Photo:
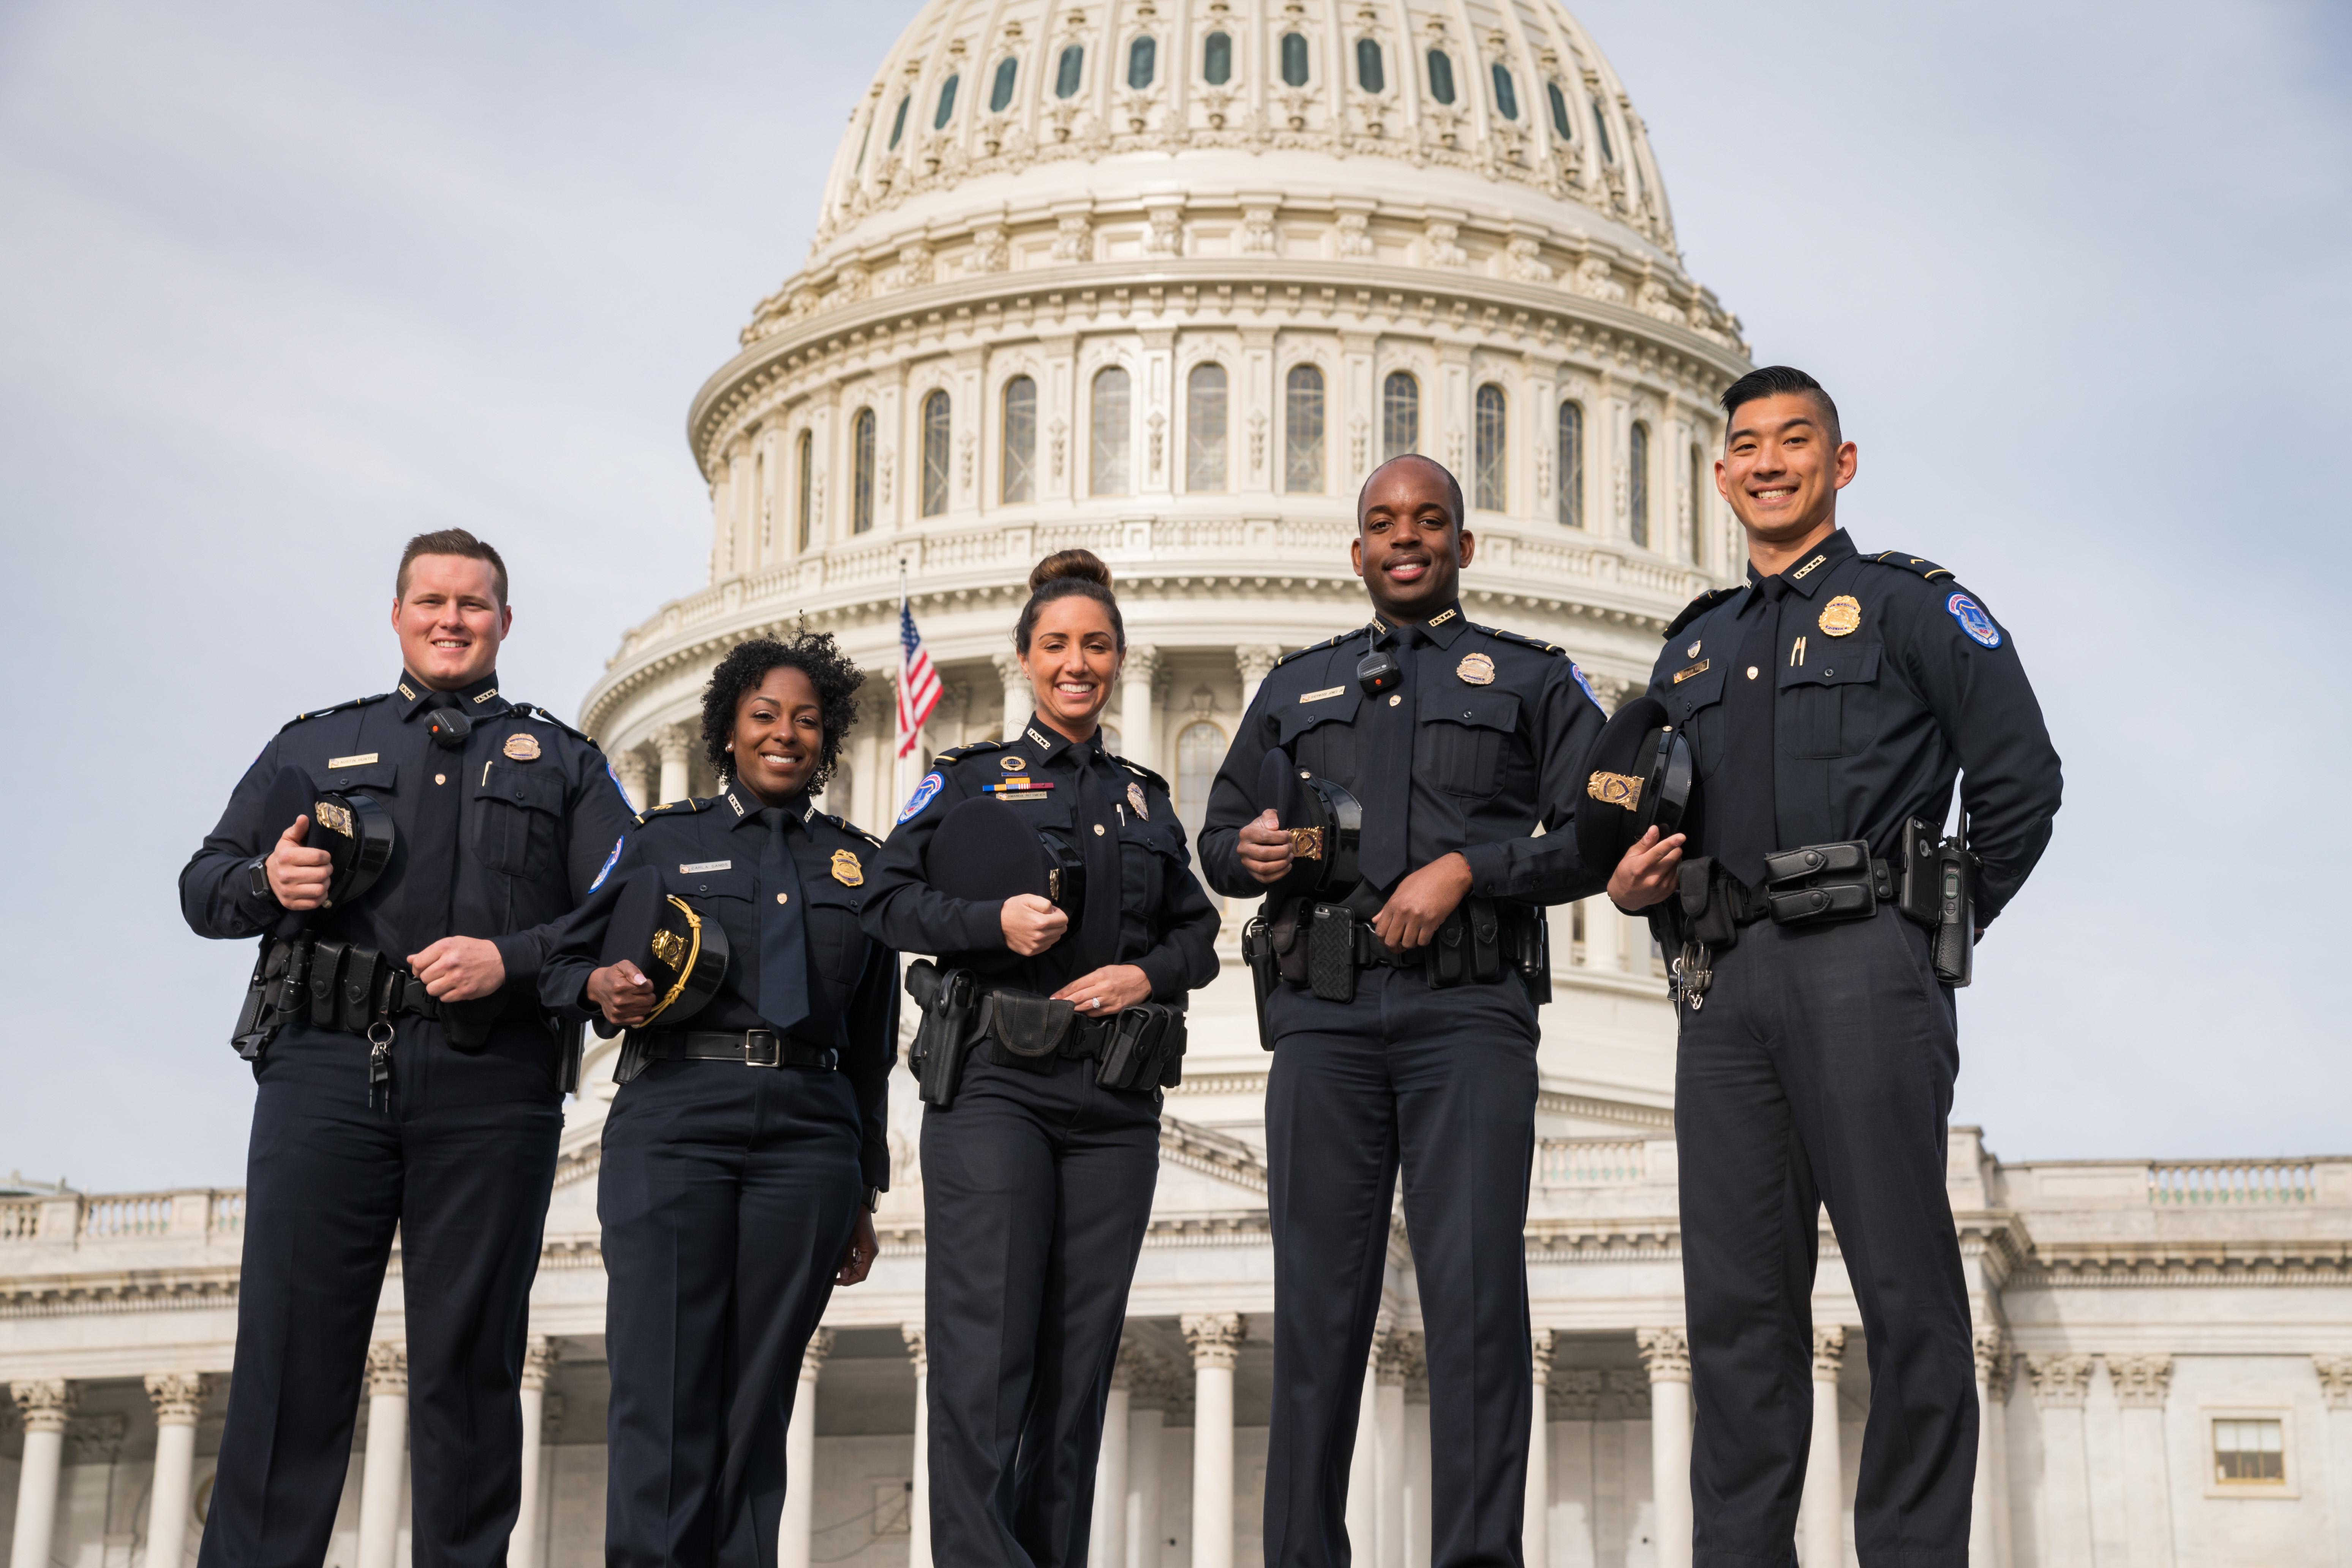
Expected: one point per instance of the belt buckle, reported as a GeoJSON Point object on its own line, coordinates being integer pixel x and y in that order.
{"type": "Point", "coordinates": [763, 1048]}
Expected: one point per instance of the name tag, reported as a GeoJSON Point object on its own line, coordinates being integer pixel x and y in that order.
{"type": "Point", "coordinates": [701, 866]}
{"type": "Point", "coordinates": [1701, 667]}
{"type": "Point", "coordinates": [1326, 691]}
{"type": "Point", "coordinates": [362, 760]}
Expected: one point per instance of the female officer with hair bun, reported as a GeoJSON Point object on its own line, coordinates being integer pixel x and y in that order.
{"type": "Point", "coordinates": [733, 1201]}
{"type": "Point", "coordinates": [1037, 1178]}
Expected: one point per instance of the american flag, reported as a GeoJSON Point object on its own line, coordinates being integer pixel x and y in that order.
{"type": "Point", "coordinates": [919, 683]}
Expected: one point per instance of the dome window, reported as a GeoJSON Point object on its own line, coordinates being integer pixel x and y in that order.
{"type": "Point", "coordinates": [937, 427]}
{"type": "Point", "coordinates": [1204, 429]}
{"type": "Point", "coordinates": [1370, 75]}
{"type": "Point", "coordinates": [1107, 418]}
{"type": "Point", "coordinates": [1399, 415]}
{"type": "Point", "coordinates": [1572, 465]}
{"type": "Point", "coordinates": [1600, 123]}
{"type": "Point", "coordinates": [1302, 435]}
{"type": "Point", "coordinates": [1068, 71]}
{"type": "Point", "coordinates": [1217, 58]}
{"type": "Point", "coordinates": [1441, 77]}
{"type": "Point", "coordinates": [999, 93]}
{"type": "Point", "coordinates": [1637, 461]}
{"type": "Point", "coordinates": [1491, 471]}
{"type": "Point", "coordinates": [899, 122]}
{"type": "Point", "coordinates": [1294, 59]}
{"type": "Point", "coordinates": [861, 472]}
{"type": "Point", "coordinates": [946, 109]}
{"type": "Point", "coordinates": [1558, 112]}
{"type": "Point", "coordinates": [1019, 457]}
{"type": "Point", "coordinates": [1142, 62]}
{"type": "Point", "coordinates": [1506, 95]}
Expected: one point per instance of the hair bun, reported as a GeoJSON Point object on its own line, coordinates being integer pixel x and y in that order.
{"type": "Point", "coordinates": [1084, 566]}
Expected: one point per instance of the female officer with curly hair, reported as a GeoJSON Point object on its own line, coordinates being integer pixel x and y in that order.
{"type": "Point", "coordinates": [733, 1201]}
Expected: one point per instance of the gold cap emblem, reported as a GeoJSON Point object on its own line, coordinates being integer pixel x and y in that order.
{"type": "Point", "coordinates": [1615, 789]}
{"type": "Point", "coordinates": [1476, 669]}
{"type": "Point", "coordinates": [847, 871]}
{"type": "Point", "coordinates": [1841, 615]}
{"type": "Point", "coordinates": [523, 748]}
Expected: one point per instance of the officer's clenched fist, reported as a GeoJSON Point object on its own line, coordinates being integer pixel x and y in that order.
{"type": "Point", "coordinates": [298, 875]}
{"type": "Point", "coordinates": [1031, 924]}
{"type": "Point", "coordinates": [1265, 848]}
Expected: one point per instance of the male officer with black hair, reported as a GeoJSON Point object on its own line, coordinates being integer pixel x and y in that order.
{"type": "Point", "coordinates": [1830, 702]}
{"type": "Point", "coordinates": [408, 1039]}
{"type": "Point", "coordinates": [1415, 1040]}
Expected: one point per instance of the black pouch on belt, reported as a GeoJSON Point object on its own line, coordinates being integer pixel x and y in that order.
{"type": "Point", "coordinates": [1819, 882]}
{"type": "Point", "coordinates": [1172, 1049]}
{"type": "Point", "coordinates": [1485, 928]}
{"type": "Point", "coordinates": [1288, 941]}
{"type": "Point", "coordinates": [326, 969]}
{"type": "Point", "coordinates": [361, 974]}
{"type": "Point", "coordinates": [467, 1023]}
{"type": "Point", "coordinates": [1028, 1031]}
{"type": "Point", "coordinates": [1446, 959]}
{"type": "Point", "coordinates": [1132, 1059]}
{"type": "Point", "coordinates": [1331, 953]}
{"type": "Point", "coordinates": [1704, 892]}
{"type": "Point", "coordinates": [1257, 952]}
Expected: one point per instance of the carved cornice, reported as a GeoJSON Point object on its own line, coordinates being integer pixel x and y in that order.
{"type": "Point", "coordinates": [1210, 1153]}
{"type": "Point", "coordinates": [2184, 1263]}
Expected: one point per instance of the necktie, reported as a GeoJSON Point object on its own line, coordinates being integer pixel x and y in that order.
{"type": "Point", "coordinates": [1384, 772]}
{"type": "Point", "coordinates": [784, 945]}
{"type": "Point", "coordinates": [431, 881]}
{"type": "Point", "coordinates": [1750, 827]}
{"type": "Point", "coordinates": [1098, 844]}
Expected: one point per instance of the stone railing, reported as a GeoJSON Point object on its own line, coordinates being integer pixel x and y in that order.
{"type": "Point", "coordinates": [2188, 1184]}
{"type": "Point", "coordinates": [195, 1214]}
{"type": "Point", "coordinates": [1591, 1162]}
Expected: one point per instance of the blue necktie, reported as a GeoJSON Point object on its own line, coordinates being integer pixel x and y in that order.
{"type": "Point", "coordinates": [783, 943]}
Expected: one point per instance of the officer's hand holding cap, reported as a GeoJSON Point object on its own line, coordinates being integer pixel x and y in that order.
{"type": "Point", "coordinates": [678, 947]}
{"type": "Point", "coordinates": [983, 849]}
{"type": "Point", "coordinates": [1639, 777]}
{"type": "Point", "coordinates": [1324, 821]}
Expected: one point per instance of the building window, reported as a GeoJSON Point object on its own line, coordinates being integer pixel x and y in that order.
{"type": "Point", "coordinates": [1441, 77]}
{"type": "Point", "coordinates": [2249, 1453]}
{"type": "Point", "coordinates": [999, 93]}
{"type": "Point", "coordinates": [1142, 59]}
{"type": "Point", "coordinates": [1294, 59]}
{"type": "Point", "coordinates": [1370, 74]}
{"type": "Point", "coordinates": [1506, 95]}
{"type": "Point", "coordinates": [1572, 465]}
{"type": "Point", "coordinates": [1217, 59]}
{"type": "Point", "coordinates": [1637, 458]}
{"type": "Point", "coordinates": [1109, 432]}
{"type": "Point", "coordinates": [804, 459]}
{"type": "Point", "coordinates": [1600, 123]}
{"type": "Point", "coordinates": [1205, 428]}
{"type": "Point", "coordinates": [1302, 410]}
{"type": "Point", "coordinates": [1400, 415]}
{"type": "Point", "coordinates": [947, 103]}
{"type": "Point", "coordinates": [861, 472]}
{"type": "Point", "coordinates": [1488, 471]}
{"type": "Point", "coordinates": [899, 121]}
{"type": "Point", "coordinates": [1019, 459]}
{"type": "Point", "coordinates": [1697, 505]}
{"type": "Point", "coordinates": [1559, 111]}
{"type": "Point", "coordinates": [1200, 751]}
{"type": "Point", "coordinates": [1066, 72]}
{"type": "Point", "coordinates": [936, 423]}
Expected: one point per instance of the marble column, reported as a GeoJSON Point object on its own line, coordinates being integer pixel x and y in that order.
{"type": "Point", "coordinates": [178, 1398]}
{"type": "Point", "coordinates": [1152, 1388]}
{"type": "Point", "coordinates": [1020, 698]}
{"type": "Point", "coordinates": [1535, 1524]}
{"type": "Point", "coordinates": [385, 1468]}
{"type": "Point", "coordinates": [919, 1498]}
{"type": "Point", "coordinates": [2141, 1383]}
{"type": "Point", "coordinates": [1255, 661]}
{"type": "Point", "coordinates": [1666, 1355]}
{"type": "Point", "coordinates": [1575, 1502]}
{"type": "Point", "coordinates": [635, 776]}
{"type": "Point", "coordinates": [1821, 1512]}
{"type": "Point", "coordinates": [2335, 1373]}
{"type": "Point", "coordinates": [2061, 1383]}
{"type": "Point", "coordinates": [1138, 707]}
{"type": "Point", "coordinates": [1393, 1361]}
{"type": "Point", "coordinates": [1362, 1515]}
{"type": "Point", "coordinates": [538, 1358]}
{"type": "Point", "coordinates": [676, 743]}
{"type": "Point", "coordinates": [1215, 1339]}
{"type": "Point", "coordinates": [1988, 1501]}
{"type": "Point", "coordinates": [1417, 1465]}
{"type": "Point", "coordinates": [796, 1535]}
{"type": "Point", "coordinates": [1108, 1531]}
{"type": "Point", "coordinates": [46, 1405]}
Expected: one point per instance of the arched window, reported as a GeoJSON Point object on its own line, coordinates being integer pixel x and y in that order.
{"type": "Point", "coordinates": [1600, 123]}
{"type": "Point", "coordinates": [1441, 77]}
{"type": "Point", "coordinates": [1489, 471]}
{"type": "Point", "coordinates": [1559, 111]}
{"type": "Point", "coordinates": [804, 461]}
{"type": "Point", "coordinates": [1019, 459]}
{"type": "Point", "coordinates": [1294, 59]}
{"type": "Point", "coordinates": [899, 121]}
{"type": "Point", "coordinates": [1371, 75]}
{"type": "Point", "coordinates": [1200, 751]}
{"type": "Point", "coordinates": [947, 103]}
{"type": "Point", "coordinates": [1302, 422]}
{"type": "Point", "coordinates": [1507, 94]}
{"type": "Point", "coordinates": [1637, 460]}
{"type": "Point", "coordinates": [1698, 477]}
{"type": "Point", "coordinates": [1400, 415]}
{"type": "Point", "coordinates": [999, 93]}
{"type": "Point", "coordinates": [861, 472]}
{"type": "Point", "coordinates": [1205, 428]}
{"type": "Point", "coordinates": [1217, 59]}
{"type": "Point", "coordinates": [1572, 465]}
{"type": "Point", "coordinates": [1142, 60]}
{"type": "Point", "coordinates": [936, 425]}
{"type": "Point", "coordinates": [1068, 69]}
{"type": "Point", "coordinates": [1108, 433]}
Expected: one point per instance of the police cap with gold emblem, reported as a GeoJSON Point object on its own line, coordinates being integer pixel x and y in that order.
{"type": "Point", "coordinates": [1639, 777]}
{"type": "Point", "coordinates": [1325, 822]}
{"type": "Point", "coordinates": [352, 826]}
{"type": "Point", "coordinates": [680, 949]}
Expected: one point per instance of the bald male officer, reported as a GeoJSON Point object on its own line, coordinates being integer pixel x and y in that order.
{"type": "Point", "coordinates": [1459, 741]}
{"type": "Point", "coordinates": [1820, 927]}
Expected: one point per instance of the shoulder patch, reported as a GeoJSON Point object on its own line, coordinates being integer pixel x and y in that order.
{"type": "Point", "coordinates": [677, 808]}
{"type": "Point", "coordinates": [532, 710]}
{"type": "Point", "coordinates": [926, 789]}
{"type": "Point", "coordinates": [1139, 770]}
{"type": "Point", "coordinates": [970, 749]}
{"type": "Point", "coordinates": [1499, 635]}
{"type": "Point", "coordinates": [337, 707]}
{"type": "Point", "coordinates": [1333, 641]}
{"type": "Point", "coordinates": [1699, 607]}
{"type": "Point", "coordinates": [851, 828]}
{"type": "Point", "coordinates": [1901, 562]}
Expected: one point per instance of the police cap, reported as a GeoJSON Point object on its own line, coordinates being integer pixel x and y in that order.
{"type": "Point", "coordinates": [1325, 825]}
{"type": "Point", "coordinates": [984, 851]}
{"type": "Point", "coordinates": [680, 949]}
{"type": "Point", "coordinates": [352, 826]}
{"type": "Point", "coordinates": [1639, 777]}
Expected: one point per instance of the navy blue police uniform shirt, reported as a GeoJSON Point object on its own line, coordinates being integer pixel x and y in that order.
{"type": "Point", "coordinates": [708, 851]}
{"type": "Point", "coordinates": [540, 819]}
{"type": "Point", "coordinates": [1889, 681]}
{"type": "Point", "coordinates": [1501, 724]}
{"type": "Point", "coordinates": [1167, 923]}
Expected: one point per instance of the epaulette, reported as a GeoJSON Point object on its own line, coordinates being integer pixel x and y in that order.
{"type": "Point", "coordinates": [532, 711]}
{"type": "Point", "coordinates": [851, 828]}
{"type": "Point", "coordinates": [1896, 559]}
{"type": "Point", "coordinates": [1327, 642]}
{"type": "Point", "coordinates": [1699, 607]}
{"type": "Point", "coordinates": [337, 707]}
{"type": "Point", "coordinates": [676, 807]}
{"type": "Point", "coordinates": [1500, 634]}
{"type": "Point", "coordinates": [1139, 770]}
{"type": "Point", "coordinates": [970, 749]}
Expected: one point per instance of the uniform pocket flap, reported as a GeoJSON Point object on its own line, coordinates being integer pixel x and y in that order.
{"type": "Point", "coordinates": [1298, 716]}
{"type": "Point", "coordinates": [530, 787]}
{"type": "Point", "coordinates": [1479, 710]}
{"type": "Point", "coordinates": [1834, 666]}
{"type": "Point", "coordinates": [708, 879]}
{"type": "Point", "coordinates": [364, 775]}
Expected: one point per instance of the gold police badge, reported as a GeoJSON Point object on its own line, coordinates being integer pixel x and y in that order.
{"type": "Point", "coordinates": [847, 871]}
{"type": "Point", "coordinates": [1841, 615]}
{"type": "Point", "coordinates": [1476, 669]}
{"type": "Point", "coordinates": [521, 747]}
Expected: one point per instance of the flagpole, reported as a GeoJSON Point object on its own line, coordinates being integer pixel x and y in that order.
{"type": "Point", "coordinates": [898, 709]}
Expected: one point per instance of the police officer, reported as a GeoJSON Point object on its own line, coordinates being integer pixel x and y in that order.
{"type": "Point", "coordinates": [1037, 1179]}
{"type": "Point", "coordinates": [1458, 741]}
{"type": "Point", "coordinates": [410, 1066]}
{"type": "Point", "coordinates": [1830, 702]}
{"type": "Point", "coordinates": [732, 1202]}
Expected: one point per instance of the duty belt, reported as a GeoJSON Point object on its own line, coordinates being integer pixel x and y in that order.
{"type": "Point", "coordinates": [744, 1047]}
{"type": "Point", "coordinates": [1817, 884]}
{"type": "Point", "coordinates": [359, 990]}
{"type": "Point", "coordinates": [1478, 944]}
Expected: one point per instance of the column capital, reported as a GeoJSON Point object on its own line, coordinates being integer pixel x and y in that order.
{"type": "Point", "coordinates": [540, 1355]}
{"type": "Point", "coordinates": [1257, 660]}
{"type": "Point", "coordinates": [2060, 1382]}
{"type": "Point", "coordinates": [387, 1369]}
{"type": "Point", "coordinates": [2334, 1379]}
{"type": "Point", "coordinates": [1008, 669]}
{"type": "Point", "coordinates": [1576, 1393]}
{"type": "Point", "coordinates": [1829, 1354]}
{"type": "Point", "coordinates": [1540, 1348]}
{"type": "Point", "coordinates": [47, 1404]}
{"type": "Point", "coordinates": [1397, 1357]}
{"type": "Point", "coordinates": [1990, 1342]}
{"type": "Point", "coordinates": [178, 1397]}
{"type": "Point", "coordinates": [675, 743]}
{"type": "Point", "coordinates": [95, 1439]}
{"type": "Point", "coordinates": [1665, 1354]}
{"type": "Point", "coordinates": [915, 1352]}
{"type": "Point", "coordinates": [812, 1358]}
{"type": "Point", "coordinates": [1216, 1338]}
{"type": "Point", "coordinates": [1142, 665]}
{"type": "Point", "coordinates": [2141, 1382]}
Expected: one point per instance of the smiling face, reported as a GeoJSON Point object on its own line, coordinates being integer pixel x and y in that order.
{"type": "Point", "coordinates": [778, 737]}
{"type": "Point", "coordinates": [1782, 468]}
{"type": "Point", "coordinates": [450, 621]}
{"type": "Point", "coordinates": [1073, 659]}
{"type": "Point", "coordinates": [1410, 547]}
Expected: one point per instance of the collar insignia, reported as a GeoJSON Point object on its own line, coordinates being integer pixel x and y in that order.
{"type": "Point", "coordinates": [1039, 739]}
{"type": "Point", "coordinates": [1797, 575]}
{"type": "Point", "coordinates": [486, 695]}
{"type": "Point", "coordinates": [406, 692]}
{"type": "Point", "coordinates": [1441, 618]}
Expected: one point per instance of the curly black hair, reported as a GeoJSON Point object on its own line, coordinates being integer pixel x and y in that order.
{"type": "Point", "coordinates": [815, 654]}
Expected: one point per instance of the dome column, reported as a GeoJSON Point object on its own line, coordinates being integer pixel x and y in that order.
{"type": "Point", "coordinates": [1138, 707]}
{"type": "Point", "coordinates": [1018, 697]}
{"type": "Point", "coordinates": [1821, 1511]}
{"type": "Point", "coordinates": [676, 745]}
{"type": "Point", "coordinates": [1665, 1354]}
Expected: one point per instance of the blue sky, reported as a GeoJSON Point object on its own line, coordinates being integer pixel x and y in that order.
{"type": "Point", "coordinates": [283, 283]}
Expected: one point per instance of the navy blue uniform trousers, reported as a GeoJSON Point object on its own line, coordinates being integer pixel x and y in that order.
{"type": "Point", "coordinates": [1036, 1193]}
{"type": "Point", "coordinates": [461, 1165]}
{"type": "Point", "coordinates": [1446, 1081]}
{"type": "Point", "coordinates": [1819, 1073]}
{"type": "Point", "coordinates": [727, 1196]}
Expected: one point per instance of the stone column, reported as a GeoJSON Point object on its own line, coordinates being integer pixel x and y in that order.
{"type": "Point", "coordinates": [538, 1358]}
{"type": "Point", "coordinates": [2335, 1373]}
{"type": "Point", "coordinates": [1578, 1393]}
{"type": "Point", "coordinates": [1990, 1498]}
{"type": "Point", "coordinates": [1665, 1354]}
{"type": "Point", "coordinates": [1152, 1388]}
{"type": "Point", "coordinates": [1394, 1358]}
{"type": "Point", "coordinates": [1107, 1532]}
{"type": "Point", "coordinates": [1020, 700]}
{"type": "Point", "coordinates": [387, 1455]}
{"type": "Point", "coordinates": [1138, 707]}
{"type": "Point", "coordinates": [1362, 1515]}
{"type": "Point", "coordinates": [2141, 1382]}
{"type": "Point", "coordinates": [1417, 1466]}
{"type": "Point", "coordinates": [1535, 1524]}
{"type": "Point", "coordinates": [2061, 1383]}
{"type": "Point", "coordinates": [178, 1398]}
{"type": "Point", "coordinates": [918, 1497]}
{"type": "Point", "coordinates": [1255, 661]}
{"type": "Point", "coordinates": [1821, 1512]}
{"type": "Point", "coordinates": [795, 1535]}
{"type": "Point", "coordinates": [46, 1405]}
{"type": "Point", "coordinates": [676, 745]}
{"type": "Point", "coordinates": [1216, 1341]}
{"type": "Point", "coordinates": [636, 777]}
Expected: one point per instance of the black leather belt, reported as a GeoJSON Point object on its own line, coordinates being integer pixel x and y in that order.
{"type": "Point", "coordinates": [744, 1047]}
